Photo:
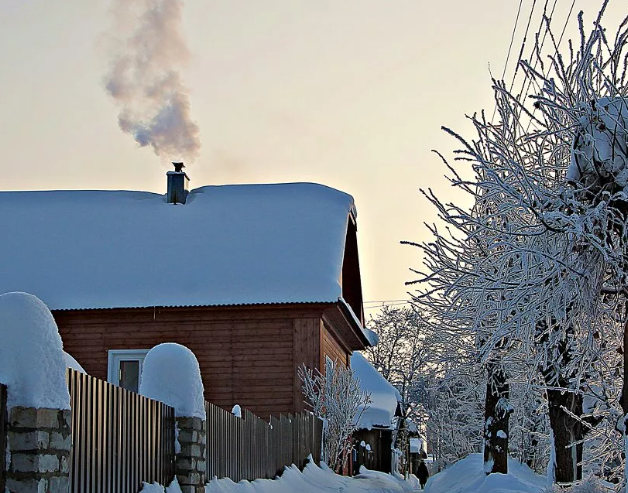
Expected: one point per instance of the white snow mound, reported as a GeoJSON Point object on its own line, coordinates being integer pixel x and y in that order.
{"type": "Point", "coordinates": [313, 479]}
{"type": "Point", "coordinates": [157, 488]}
{"type": "Point", "coordinates": [171, 374]}
{"type": "Point", "coordinates": [32, 364]}
{"type": "Point", "coordinates": [467, 476]}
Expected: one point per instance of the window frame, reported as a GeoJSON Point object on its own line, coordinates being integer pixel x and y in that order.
{"type": "Point", "coordinates": [116, 356]}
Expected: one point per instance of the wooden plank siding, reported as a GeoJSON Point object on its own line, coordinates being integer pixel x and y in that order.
{"type": "Point", "coordinates": [332, 348]}
{"type": "Point", "coordinates": [306, 345]}
{"type": "Point", "coordinates": [247, 355]}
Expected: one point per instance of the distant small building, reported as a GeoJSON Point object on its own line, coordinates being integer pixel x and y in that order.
{"type": "Point", "coordinates": [379, 422]}
{"type": "Point", "coordinates": [254, 279]}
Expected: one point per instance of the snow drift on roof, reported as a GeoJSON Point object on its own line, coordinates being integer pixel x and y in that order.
{"type": "Point", "coordinates": [235, 244]}
{"type": "Point", "coordinates": [370, 335]}
{"type": "Point", "coordinates": [384, 397]}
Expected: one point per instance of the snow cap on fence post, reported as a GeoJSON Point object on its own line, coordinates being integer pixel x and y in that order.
{"type": "Point", "coordinates": [32, 365]}
{"type": "Point", "coordinates": [171, 374]}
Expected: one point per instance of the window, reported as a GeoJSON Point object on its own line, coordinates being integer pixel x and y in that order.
{"type": "Point", "coordinates": [125, 368]}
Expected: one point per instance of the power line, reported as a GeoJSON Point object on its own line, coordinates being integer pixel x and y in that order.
{"type": "Point", "coordinates": [525, 39]}
{"type": "Point", "coordinates": [573, 3]}
{"type": "Point", "coordinates": [512, 37]}
{"type": "Point", "coordinates": [384, 301]}
{"type": "Point", "coordinates": [387, 304]}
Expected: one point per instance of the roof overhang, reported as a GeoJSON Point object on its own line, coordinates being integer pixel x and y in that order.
{"type": "Point", "coordinates": [342, 321]}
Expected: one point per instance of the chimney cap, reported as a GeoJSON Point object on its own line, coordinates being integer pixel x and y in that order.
{"type": "Point", "coordinates": [178, 167]}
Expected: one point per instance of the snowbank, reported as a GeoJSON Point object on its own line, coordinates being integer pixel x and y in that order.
{"type": "Point", "coordinates": [384, 397]}
{"type": "Point", "coordinates": [157, 488]}
{"type": "Point", "coordinates": [32, 365]}
{"type": "Point", "coordinates": [467, 476]}
{"type": "Point", "coordinates": [313, 479]}
{"type": "Point", "coordinates": [171, 374]}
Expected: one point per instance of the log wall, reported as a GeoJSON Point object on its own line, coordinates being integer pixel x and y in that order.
{"type": "Point", "coordinates": [247, 355]}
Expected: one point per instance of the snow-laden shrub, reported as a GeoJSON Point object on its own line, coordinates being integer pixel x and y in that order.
{"type": "Point", "coordinates": [32, 364]}
{"type": "Point", "coordinates": [337, 398]}
{"type": "Point", "coordinates": [171, 374]}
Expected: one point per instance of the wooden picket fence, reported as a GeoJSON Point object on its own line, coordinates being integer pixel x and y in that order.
{"type": "Point", "coordinates": [119, 438]}
{"type": "Point", "coordinates": [250, 448]}
{"type": "Point", "coordinates": [3, 435]}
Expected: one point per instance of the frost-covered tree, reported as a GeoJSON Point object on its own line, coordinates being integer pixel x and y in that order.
{"type": "Point", "coordinates": [523, 273]}
{"type": "Point", "coordinates": [336, 398]}
{"type": "Point", "coordinates": [402, 353]}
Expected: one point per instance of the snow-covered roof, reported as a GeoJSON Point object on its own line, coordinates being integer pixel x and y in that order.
{"type": "Point", "coordinates": [233, 244]}
{"type": "Point", "coordinates": [384, 397]}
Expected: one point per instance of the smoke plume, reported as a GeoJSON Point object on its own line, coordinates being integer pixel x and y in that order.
{"type": "Point", "coordinates": [148, 51]}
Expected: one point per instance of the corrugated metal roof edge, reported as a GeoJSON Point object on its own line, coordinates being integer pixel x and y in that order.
{"type": "Point", "coordinates": [224, 305]}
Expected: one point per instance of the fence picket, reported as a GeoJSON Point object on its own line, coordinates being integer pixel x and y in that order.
{"type": "Point", "coordinates": [250, 448]}
{"type": "Point", "coordinates": [119, 438]}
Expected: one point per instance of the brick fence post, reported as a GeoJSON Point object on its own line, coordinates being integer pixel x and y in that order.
{"type": "Point", "coordinates": [190, 461]}
{"type": "Point", "coordinates": [39, 442]}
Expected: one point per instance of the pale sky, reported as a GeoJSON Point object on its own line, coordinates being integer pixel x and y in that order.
{"type": "Point", "coordinates": [348, 93]}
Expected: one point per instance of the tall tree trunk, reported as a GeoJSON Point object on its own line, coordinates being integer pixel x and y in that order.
{"type": "Point", "coordinates": [624, 397]}
{"type": "Point", "coordinates": [497, 413]}
{"type": "Point", "coordinates": [568, 431]}
{"type": "Point", "coordinates": [565, 404]}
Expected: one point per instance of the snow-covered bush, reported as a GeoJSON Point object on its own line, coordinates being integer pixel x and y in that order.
{"type": "Point", "coordinates": [171, 374]}
{"type": "Point", "coordinates": [338, 400]}
{"type": "Point", "coordinates": [32, 363]}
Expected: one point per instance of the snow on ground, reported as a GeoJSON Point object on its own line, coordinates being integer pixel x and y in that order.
{"type": "Point", "coordinates": [467, 476]}
{"type": "Point", "coordinates": [157, 488]}
{"type": "Point", "coordinates": [32, 364]}
{"type": "Point", "coordinates": [313, 479]}
{"type": "Point", "coordinates": [171, 374]}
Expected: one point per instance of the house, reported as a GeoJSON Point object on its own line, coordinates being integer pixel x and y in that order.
{"type": "Point", "coordinates": [378, 424]}
{"type": "Point", "coordinates": [254, 279]}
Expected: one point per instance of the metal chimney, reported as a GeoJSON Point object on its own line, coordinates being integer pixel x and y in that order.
{"type": "Point", "coordinates": [177, 185]}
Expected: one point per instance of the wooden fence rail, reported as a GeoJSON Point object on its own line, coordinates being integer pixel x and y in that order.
{"type": "Point", "coordinates": [119, 438]}
{"type": "Point", "coordinates": [3, 435]}
{"type": "Point", "coordinates": [250, 448]}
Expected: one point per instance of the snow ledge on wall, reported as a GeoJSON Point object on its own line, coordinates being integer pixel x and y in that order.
{"type": "Point", "coordinates": [370, 335]}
